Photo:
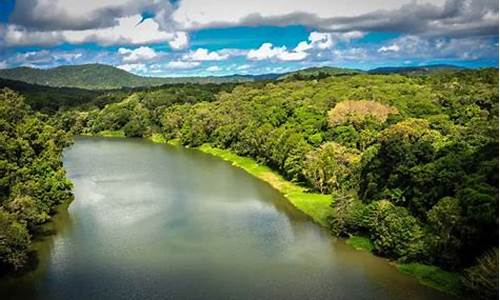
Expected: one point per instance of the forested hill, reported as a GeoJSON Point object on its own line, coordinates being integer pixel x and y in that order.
{"type": "Point", "coordinates": [105, 77]}
{"type": "Point", "coordinates": [416, 69]}
{"type": "Point", "coordinates": [98, 76]}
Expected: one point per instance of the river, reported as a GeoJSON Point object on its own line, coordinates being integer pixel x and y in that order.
{"type": "Point", "coordinates": [154, 221]}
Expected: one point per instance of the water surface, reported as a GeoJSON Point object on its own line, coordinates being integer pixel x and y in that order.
{"type": "Point", "coordinates": [158, 222]}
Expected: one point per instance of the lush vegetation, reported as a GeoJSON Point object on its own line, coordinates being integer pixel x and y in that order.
{"type": "Point", "coordinates": [32, 179]}
{"type": "Point", "coordinates": [411, 162]}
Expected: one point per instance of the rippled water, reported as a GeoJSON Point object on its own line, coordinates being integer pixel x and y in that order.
{"type": "Point", "coordinates": [159, 222]}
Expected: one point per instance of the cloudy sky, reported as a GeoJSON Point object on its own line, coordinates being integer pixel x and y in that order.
{"type": "Point", "coordinates": [221, 37]}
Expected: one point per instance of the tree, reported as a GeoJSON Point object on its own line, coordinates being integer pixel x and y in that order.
{"type": "Point", "coordinates": [445, 219]}
{"type": "Point", "coordinates": [395, 233]}
{"type": "Point", "coordinates": [14, 242]}
{"type": "Point", "coordinates": [332, 167]}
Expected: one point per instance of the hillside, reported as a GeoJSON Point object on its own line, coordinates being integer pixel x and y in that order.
{"type": "Point", "coordinates": [319, 73]}
{"type": "Point", "coordinates": [415, 70]}
{"type": "Point", "coordinates": [98, 76]}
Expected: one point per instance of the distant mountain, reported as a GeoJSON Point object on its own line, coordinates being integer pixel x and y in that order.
{"type": "Point", "coordinates": [318, 73]}
{"type": "Point", "coordinates": [98, 76]}
{"type": "Point", "coordinates": [104, 77]}
{"type": "Point", "coordinates": [415, 69]}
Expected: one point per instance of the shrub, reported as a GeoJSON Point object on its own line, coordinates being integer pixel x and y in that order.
{"type": "Point", "coordinates": [332, 167]}
{"type": "Point", "coordinates": [394, 231]}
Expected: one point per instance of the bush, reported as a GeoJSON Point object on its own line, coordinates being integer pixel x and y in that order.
{"type": "Point", "coordinates": [14, 242]}
{"type": "Point", "coordinates": [134, 128]}
{"type": "Point", "coordinates": [394, 232]}
{"type": "Point", "coordinates": [348, 214]}
{"type": "Point", "coordinates": [332, 167]}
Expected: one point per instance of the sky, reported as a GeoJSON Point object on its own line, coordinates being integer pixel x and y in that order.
{"type": "Point", "coordinates": [224, 37]}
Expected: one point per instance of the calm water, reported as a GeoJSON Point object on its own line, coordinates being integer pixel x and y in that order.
{"type": "Point", "coordinates": [158, 222]}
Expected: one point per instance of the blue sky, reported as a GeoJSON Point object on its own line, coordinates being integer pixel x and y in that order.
{"type": "Point", "coordinates": [214, 37]}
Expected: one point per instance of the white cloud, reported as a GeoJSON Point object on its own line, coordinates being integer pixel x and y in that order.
{"type": "Point", "coordinates": [181, 65]}
{"type": "Point", "coordinates": [131, 30]}
{"type": "Point", "coordinates": [193, 14]}
{"type": "Point", "coordinates": [53, 15]}
{"type": "Point", "coordinates": [391, 48]}
{"type": "Point", "coordinates": [243, 67]}
{"type": "Point", "coordinates": [134, 68]}
{"type": "Point", "coordinates": [137, 55]}
{"type": "Point", "coordinates": [3, 64]}
{"type": "Point", "coordinates": [202, 54]}
{"type": "Point", "coordinates": [268, 51]}
{"type": "Point", "coordinates": [327, 40]}
{"type": "Point", "coordinates": [179, 41]}
{"type": "Point", "coordinates": [214, 69]}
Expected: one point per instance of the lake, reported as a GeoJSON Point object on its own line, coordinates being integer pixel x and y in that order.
{"type": "Point", "coordinates": [154, 221]}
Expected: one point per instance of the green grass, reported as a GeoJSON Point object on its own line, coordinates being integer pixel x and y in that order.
{"type": "Point", "coordinates": [174, 142]}
{"type": "Point", "coordinates": [360, 243]}
{"type": "Point", "coordinates": [434, 277]}
{"type": "Point", "coordinates": [157, 138]}
{"type": "Point", "coordinates": [316, 205]}
{"type": "Point", "coordinates": [111, 133]}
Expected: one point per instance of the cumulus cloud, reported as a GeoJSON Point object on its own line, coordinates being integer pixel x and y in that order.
{"type": "Point", "coordinates": [430, 17]}
{"type": "Point", "coordinates": [214, 69]}
{"type": "Point", "coordinates": [391, 48]}
{"type": "Point", "coordinates": [182, 65]}
{"type": "Point", "coordinates": [138, 54]}
{"type": "Point", "coordinates": [195, 14]}
{"type": "Point", "coordinates": [128, 30]}
{"type": "Point", "coordinates": [268, 51]}
{"type": "Point", "coordinates": [134, 68]}
{"type": "Point", "coordinates": [415, 47]}
{"type": "Point", "coordinates": [179, 41]}
{"type": "Point", "coordinates": [119, 22]}
{"type": "Point", "coordinates": [202, 54]}
{"type": "Point", "coordinates": [326, 40]}
{"type": "Point", "coordinates": [57, 15]}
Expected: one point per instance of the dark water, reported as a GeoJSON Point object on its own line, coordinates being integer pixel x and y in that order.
{"type": "Point", "coordinates": [158, 222]}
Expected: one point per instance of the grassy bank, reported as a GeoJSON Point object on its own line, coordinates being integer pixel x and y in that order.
{"type": "Point", "coordinates": [360, 243]}
{"type": "Point", "coordinates": [434, 277]}
{"type": "Point", "coordinates": [313, 204]}
{"type": "Point", "coordinates": [107, 133]}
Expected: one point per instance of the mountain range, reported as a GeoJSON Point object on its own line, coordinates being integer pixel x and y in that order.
{"type": "Point", "coordinates": [101, 77]}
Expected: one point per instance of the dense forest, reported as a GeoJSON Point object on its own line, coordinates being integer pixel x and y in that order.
{"type": "Point", "coordinates": [32, 178]}
{"type": "Point", "coordinates": [411, 161]}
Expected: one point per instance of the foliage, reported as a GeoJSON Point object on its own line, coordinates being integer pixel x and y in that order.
{"type": "Point", "coordinates": [357, 111]}
{"type": "Point", "coordinates": [394, 232]}
{"type": "Point", "coordinates": [32, 179]}
{"type": "Point", "coordinates": [332, 167]}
